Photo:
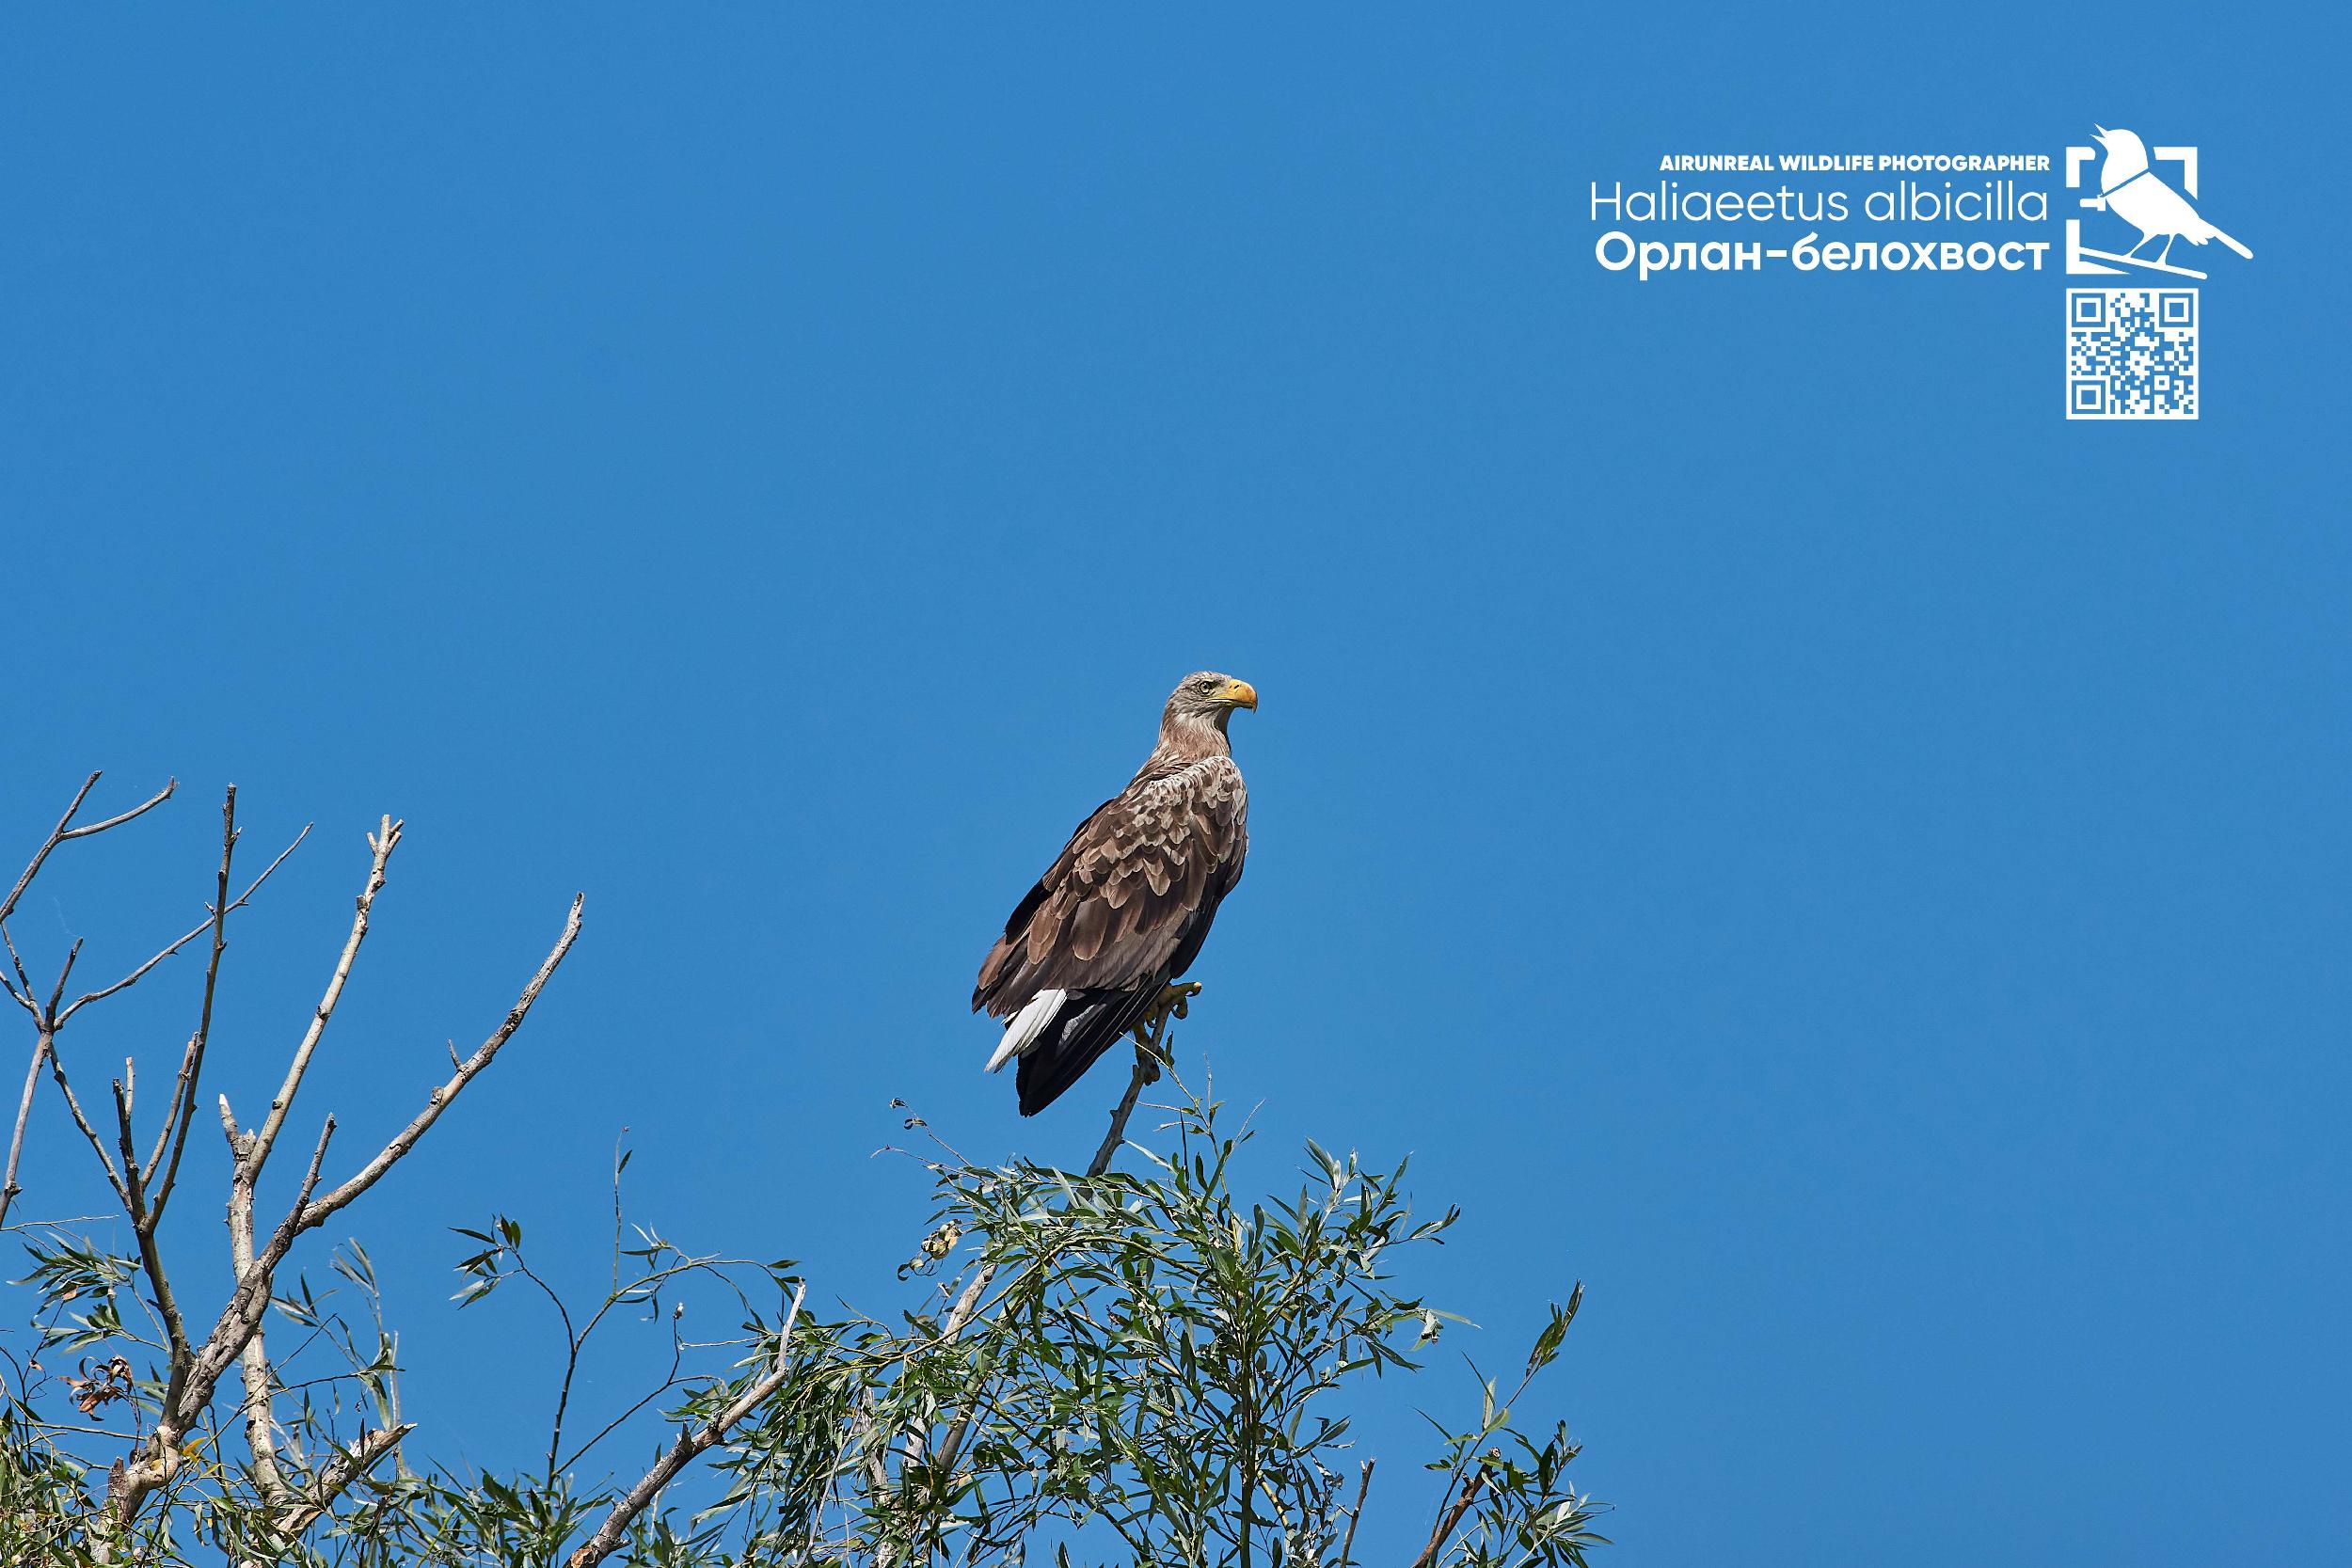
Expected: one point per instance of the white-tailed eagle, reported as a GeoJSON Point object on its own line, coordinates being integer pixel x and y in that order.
{"type": "Point", "coordinates": [1125, 906]}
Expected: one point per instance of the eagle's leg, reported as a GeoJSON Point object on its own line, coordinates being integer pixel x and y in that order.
{"type": "Point", "coordinates": [2168, 249]}
{"type": "Point", "coordinates": [1150, 1031]}
{"type": "Point", "coordinates": [1173, 1003]}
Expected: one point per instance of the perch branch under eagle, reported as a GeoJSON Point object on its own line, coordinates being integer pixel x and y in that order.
{"type": "Point", "coordinates": [1122, 911]}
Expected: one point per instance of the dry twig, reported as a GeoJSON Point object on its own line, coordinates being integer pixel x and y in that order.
{"type": "Point", "coordinates": [1347, 1543]}
{"type": "Point", "coordinates": [44, 1042]}
{"type": "Point", "coordinates": [194, 1368]}
{"type": "Point", "coordinates": [1151, 1056]}
{"type": "Point", "coordinates": [689, 1445]}
{"type": "Point", "coordinates": [1449, 1520]}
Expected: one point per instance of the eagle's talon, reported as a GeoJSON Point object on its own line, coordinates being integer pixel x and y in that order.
{"type": "Point", "coordinates": [1173, 1001]}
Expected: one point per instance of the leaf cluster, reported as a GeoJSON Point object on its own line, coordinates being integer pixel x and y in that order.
{"type": "Point", "coordinates": [1138, 1367]}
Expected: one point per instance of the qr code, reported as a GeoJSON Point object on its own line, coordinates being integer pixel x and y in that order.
{"type": "Point", "coordinates": [2131, 354]}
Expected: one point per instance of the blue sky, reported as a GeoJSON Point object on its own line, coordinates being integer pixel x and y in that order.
{"type": "Point", "coordinates": [1781, 826]}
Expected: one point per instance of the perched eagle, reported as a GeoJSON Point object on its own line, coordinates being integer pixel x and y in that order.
{"type": "Point", "coordinates": [1125, 906]}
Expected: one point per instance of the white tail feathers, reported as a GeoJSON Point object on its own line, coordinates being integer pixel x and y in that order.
{"type": "Point", "coordinates": [1027, 1026]}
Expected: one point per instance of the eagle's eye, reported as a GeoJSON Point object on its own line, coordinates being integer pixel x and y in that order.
{"type": "Point", "coordinates": [1205, 685]}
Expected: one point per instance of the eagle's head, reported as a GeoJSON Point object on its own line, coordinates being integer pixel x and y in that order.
{"type": "Point", "coordinates": [1205, 695]}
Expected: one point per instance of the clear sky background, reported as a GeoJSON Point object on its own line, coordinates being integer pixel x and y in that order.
{"type": "Point", "coordinates": [1780, 825]}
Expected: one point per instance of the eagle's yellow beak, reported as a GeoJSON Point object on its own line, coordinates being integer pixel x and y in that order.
{"type": "Point", "coordinates": [1238, 695]}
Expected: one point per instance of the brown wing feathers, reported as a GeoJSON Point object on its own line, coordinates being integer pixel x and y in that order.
{"type": "Point", "coordinates": [1121, 912]}
{"type": "Point", "coordinates": [1120, 899]}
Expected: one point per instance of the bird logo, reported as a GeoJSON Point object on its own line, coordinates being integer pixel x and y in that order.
{"type": "Point", "coordinates": [2130, 188]}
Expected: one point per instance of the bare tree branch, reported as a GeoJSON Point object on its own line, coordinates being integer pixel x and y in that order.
{"type": "Point", "coordinates": [143, 1187]}
{"type": "Point", "coordinates": [250, 1152]}
{"type": "Point", "coordinates": [74, 1104]}
{"type": "Point", "coordinates": [187, 1394]}
{"type": "Point", "coordinates": [142, 1225]}
{"type": "Point", "coordinates": [1452, 1518]}
{"type": "Point", "coordinates": [57, 836]}
{"type": "Point", "coordinates": [145, 806]}
{"type": "Point", "coordinates": [210, 921]}
{"type": "Point", "coordinates": [16, 962]}
{"type": "Point", "coordinates": [45, 1030]}
{"type": "Point", "coordinates": [250, 1161]}
{"type": "Point", "coordinates": [134, 977]}
{"type": "Point", "coordinates": [1347, 1543]}
{"type": "Point", "coordinates": [235, 1334]}
{"type": "Point", "coordinates": [239, 1319]}
{"type": "Point", "coordinates": [1147, 1070]}
{"type": "Point", "coordinates": [125, 1088]}
{"type": "Point", "coordinates": [65, 830]}
{"type": "Point", "coordinates": [174, 1132]}
{"type": "Point", "coordinates": [8, 1188]}
{"type": "Point", "coordinates": [689, 1445]}
{"type": "Point", "coordinates": [440, 1099]}
{"type": "Point", "coordinates": [64, 973]}
{"type": "Point", "coordinates": [959, 1316]}
{"type": "Point", "coordinates": [1151, 1056]}
{"type": "Point", "coordinates": [253, 1354]}
{"type": "Point", "coordinates": [315, 1499]}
